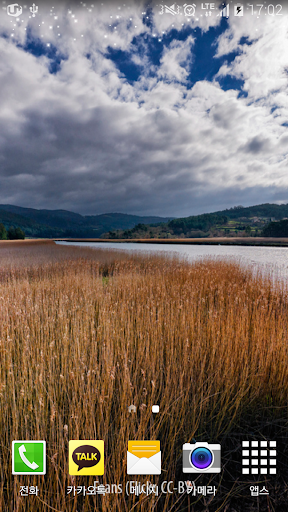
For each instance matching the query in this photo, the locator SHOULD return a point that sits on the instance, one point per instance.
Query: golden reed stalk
(85, 333)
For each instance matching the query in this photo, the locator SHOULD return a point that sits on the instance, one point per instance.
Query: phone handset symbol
(31, 465)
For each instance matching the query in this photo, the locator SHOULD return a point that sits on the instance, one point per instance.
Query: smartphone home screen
(143, 256)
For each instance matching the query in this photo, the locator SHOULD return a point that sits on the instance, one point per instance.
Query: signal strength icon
(224, 12)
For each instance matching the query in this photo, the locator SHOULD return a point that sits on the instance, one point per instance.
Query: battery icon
(238, 10)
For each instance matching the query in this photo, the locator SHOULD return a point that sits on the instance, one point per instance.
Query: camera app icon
(201, 458)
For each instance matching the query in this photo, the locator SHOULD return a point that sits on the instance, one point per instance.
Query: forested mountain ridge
(236, 221)
(63, 223)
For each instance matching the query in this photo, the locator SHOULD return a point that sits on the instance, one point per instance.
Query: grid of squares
(258, 457)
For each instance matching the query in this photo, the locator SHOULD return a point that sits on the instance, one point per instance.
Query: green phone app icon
(28, 457)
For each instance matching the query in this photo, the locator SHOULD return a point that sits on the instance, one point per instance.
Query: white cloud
(263, 64)
(175, 62)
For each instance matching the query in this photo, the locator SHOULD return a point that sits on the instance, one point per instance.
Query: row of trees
(11, 234)
(198, 222)
(276, 229)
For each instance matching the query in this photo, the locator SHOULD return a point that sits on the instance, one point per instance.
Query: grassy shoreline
(245, 241)
(85, 333)
(241, 241)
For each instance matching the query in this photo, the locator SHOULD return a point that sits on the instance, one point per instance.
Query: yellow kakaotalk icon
(86, 457)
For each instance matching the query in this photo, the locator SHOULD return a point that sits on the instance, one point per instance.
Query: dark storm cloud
(86, 140)
(89, 164)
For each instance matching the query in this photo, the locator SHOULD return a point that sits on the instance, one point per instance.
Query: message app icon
(86, 458)
(28, 457)
(144, 458)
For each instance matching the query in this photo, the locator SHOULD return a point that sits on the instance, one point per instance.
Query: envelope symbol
(143, 458)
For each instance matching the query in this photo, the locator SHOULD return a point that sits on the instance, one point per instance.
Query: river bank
(249, 241)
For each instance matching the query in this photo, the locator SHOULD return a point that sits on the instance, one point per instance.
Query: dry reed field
(85, 333)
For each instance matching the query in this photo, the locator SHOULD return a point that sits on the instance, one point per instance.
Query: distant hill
(266, 210)
(63, 223)
(13, 219)
(236, 221)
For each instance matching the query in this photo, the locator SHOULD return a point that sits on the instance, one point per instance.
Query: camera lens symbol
(201, 458)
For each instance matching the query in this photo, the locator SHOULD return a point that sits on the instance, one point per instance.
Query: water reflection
(272, 260)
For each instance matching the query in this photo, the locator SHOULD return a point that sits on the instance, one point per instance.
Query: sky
(112, 107)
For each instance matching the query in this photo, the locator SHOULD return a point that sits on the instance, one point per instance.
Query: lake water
(272, 260)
